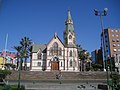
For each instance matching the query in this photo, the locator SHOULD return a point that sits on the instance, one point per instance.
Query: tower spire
(69, 23)
(69, 15)
(69, 34)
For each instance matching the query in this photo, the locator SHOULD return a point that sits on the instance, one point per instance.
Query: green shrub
(4, 73)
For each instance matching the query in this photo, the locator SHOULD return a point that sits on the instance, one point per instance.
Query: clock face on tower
(70, 37)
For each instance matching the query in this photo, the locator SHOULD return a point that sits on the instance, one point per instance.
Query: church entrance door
(55, 65)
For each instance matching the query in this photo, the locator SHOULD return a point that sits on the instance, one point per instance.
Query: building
(57, 55)
(111, 45)
(97, 57)
(1, 62)
(9, 57)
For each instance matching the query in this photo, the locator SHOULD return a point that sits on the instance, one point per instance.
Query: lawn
(8, 87)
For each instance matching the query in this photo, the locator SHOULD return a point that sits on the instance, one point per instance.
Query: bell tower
(69, 34)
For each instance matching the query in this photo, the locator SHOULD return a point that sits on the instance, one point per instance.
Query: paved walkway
(63, 86)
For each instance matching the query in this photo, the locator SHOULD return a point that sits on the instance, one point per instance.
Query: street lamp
(19, 73)
(102, 13)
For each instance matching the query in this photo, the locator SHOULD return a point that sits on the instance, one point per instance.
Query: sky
(40, 19)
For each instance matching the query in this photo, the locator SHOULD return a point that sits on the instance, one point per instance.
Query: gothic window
(55, 50)
(70, 53)
(59, 51)
(61, 64)
(39, 56)
(70, 63)
(51, 51)
(49, 63)
(70, 37)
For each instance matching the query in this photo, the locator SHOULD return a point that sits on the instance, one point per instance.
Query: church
(57, 55)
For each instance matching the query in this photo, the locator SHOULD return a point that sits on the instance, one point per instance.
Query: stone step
(43, 75)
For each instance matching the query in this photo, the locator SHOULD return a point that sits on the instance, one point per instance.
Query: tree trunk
(25, 64)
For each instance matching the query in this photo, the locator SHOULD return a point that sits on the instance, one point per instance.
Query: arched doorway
(55, 64)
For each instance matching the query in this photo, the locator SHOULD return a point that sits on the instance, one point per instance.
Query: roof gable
(55, 39)
(37, 47)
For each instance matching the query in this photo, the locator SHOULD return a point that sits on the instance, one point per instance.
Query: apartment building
(110, 42)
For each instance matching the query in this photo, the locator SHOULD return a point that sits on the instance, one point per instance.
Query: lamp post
(102, 13)
(19, 73)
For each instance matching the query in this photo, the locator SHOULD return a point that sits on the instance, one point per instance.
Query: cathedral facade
(57, 55)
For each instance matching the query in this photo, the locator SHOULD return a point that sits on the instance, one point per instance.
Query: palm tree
(19, 50)
(26, 44)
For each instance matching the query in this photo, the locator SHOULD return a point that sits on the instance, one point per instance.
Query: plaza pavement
(65, 85)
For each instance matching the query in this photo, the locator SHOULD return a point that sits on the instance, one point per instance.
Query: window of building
(116, 35)
(61, 64)
(113, 40)
(51, 51)
(114, 50)
(114, 45)
(39, 55)
(106, 50)
(116, 30)
(113, 35)
(112, 30)
(70, 43)
(55, 50)
(105, 36)
(117, 40)
(55, 59)
(39, 64)
(70, 52)
(49, 64)
(118, 45)
(70, 37)
(119, 49)
(70, 63)
(59, 51)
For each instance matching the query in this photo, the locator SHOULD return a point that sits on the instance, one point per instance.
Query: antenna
(4, 52)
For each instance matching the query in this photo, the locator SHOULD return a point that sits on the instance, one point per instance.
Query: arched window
(49, 63)
(59, 51)
(55, 50)
(39, 56)
(51, 51)
(61, 64)
(70, 63)
(70, 53)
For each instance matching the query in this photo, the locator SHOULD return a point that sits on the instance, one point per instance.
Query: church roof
(36, 47)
